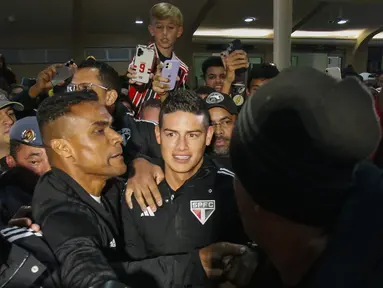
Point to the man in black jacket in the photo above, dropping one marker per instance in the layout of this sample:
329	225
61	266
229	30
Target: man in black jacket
199	205
77	203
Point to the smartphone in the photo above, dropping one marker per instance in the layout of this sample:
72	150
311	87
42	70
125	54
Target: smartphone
170	71
143	63
233	46
23	212
62	74
334	72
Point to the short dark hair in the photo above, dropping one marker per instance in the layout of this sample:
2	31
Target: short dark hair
60	104
262	71
186	101
14	147
107	74
154	103
212	61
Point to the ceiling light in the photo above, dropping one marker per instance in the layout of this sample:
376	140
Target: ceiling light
250	19
345	34
234	33
342	21
139	22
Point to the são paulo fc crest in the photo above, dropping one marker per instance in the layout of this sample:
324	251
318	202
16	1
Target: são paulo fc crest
125	133
202	209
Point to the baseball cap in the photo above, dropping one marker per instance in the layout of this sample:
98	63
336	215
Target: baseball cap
222	100
4	102
26	131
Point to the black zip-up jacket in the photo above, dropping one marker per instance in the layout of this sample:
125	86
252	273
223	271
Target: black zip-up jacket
203	211
86	239
138	135
26	260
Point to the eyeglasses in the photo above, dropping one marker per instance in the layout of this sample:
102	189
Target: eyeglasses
223	124
83	86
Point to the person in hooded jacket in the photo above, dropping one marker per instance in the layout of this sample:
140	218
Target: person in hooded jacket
302	172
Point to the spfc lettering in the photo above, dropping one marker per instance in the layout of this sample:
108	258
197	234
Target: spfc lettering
202	209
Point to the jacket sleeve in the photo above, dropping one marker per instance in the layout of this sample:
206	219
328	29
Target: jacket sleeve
165	271
147	130
77	248
134	243
143	137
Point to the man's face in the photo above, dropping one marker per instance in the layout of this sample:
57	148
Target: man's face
256	83
183	138
33	158
7	118
87	77
223	123
95	148
151	114
165	32
214	77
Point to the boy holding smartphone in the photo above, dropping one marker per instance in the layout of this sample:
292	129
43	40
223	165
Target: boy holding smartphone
166	26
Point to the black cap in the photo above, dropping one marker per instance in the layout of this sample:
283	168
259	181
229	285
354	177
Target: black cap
217	99
26	131
295	146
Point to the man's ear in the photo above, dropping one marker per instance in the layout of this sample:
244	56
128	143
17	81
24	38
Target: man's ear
209	136
11	162
158	134
151	30
247	92
180	31
62	147
111	97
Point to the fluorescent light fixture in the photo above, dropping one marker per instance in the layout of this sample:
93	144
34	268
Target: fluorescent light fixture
344	34
232	33
250	19
268	33
139	22
378	36
342	21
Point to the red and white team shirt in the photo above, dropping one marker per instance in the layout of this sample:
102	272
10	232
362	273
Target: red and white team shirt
141	94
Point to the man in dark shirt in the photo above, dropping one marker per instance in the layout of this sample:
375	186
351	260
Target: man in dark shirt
199	205
223	114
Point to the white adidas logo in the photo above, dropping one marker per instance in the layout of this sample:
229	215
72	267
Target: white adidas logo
112	244
148	212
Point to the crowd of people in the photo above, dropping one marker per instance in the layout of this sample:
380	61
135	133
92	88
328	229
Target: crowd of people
109	182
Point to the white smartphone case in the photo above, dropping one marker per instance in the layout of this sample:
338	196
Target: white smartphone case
143	63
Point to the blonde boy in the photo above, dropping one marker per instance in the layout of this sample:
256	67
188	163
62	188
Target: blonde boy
166	26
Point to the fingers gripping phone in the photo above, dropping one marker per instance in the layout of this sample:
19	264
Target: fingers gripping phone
143	63
170	71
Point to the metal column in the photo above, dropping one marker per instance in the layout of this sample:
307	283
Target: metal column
283	17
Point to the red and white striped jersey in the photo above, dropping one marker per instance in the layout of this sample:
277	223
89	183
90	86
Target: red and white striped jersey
140	94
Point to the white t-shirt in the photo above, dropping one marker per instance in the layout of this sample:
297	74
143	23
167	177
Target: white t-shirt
98	199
